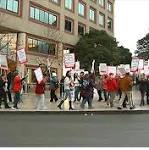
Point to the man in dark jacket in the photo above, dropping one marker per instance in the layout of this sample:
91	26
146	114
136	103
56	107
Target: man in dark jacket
87	91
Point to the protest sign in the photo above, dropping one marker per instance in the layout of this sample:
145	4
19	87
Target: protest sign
103	68
127	67
141	64
134	64
69	60
3	62
38	74
112	69
122	71
22	56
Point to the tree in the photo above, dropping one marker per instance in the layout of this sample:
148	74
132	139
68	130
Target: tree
143	47
103	48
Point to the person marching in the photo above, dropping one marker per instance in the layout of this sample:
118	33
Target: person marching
111	88
3	95
68	86
16	87
54	84
40	94
126	84
142	88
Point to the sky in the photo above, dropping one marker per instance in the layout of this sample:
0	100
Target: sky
131	22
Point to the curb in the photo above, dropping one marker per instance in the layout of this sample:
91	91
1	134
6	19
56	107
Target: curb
76	112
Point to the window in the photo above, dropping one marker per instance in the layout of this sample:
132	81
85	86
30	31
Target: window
43	16
81	29
101	3
81	9
110	24
68	25
41	46
55	1
109	7
10	5
92	14
69	4
102	19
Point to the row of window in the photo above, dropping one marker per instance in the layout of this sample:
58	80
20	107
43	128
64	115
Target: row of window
43	16
69	25
50	18
69	4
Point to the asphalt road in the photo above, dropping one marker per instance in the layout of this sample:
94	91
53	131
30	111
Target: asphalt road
77	130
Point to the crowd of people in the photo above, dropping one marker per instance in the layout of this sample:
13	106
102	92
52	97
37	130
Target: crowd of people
75	87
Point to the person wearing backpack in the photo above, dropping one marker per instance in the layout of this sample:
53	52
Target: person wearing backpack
54	84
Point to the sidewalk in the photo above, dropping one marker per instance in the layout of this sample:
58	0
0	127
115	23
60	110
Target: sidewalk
29	103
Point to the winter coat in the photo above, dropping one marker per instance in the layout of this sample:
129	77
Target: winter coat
88	89
40	88
17	84
112	85
54	83
143	85
126	83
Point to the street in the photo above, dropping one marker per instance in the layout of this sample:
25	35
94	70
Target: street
44	130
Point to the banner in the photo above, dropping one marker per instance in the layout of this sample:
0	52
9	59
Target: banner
3	62
69	60
22	56
38	74
103	68
112	69
134	64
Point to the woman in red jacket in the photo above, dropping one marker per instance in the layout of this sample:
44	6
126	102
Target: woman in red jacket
40	94
16	87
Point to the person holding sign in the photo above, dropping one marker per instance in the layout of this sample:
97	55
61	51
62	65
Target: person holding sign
16	87
40	94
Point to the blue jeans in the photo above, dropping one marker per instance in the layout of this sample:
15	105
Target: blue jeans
87	99
16	98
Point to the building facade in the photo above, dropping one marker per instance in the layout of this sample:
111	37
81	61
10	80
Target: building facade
44	28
